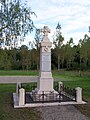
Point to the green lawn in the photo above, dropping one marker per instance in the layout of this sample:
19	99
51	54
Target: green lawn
18	73
84	84
7	112
71	79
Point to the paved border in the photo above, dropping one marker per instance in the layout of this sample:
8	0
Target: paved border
22	79
15	79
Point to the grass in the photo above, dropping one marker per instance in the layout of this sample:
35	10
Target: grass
71	75
85	85
18	73
7	112
69	78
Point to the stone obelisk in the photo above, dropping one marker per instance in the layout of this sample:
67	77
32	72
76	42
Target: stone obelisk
45	82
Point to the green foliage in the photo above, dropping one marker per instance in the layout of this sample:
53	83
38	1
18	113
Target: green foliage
15	20
5	60
72	56
29	86
84	52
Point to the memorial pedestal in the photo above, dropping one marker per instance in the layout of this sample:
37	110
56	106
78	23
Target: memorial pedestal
45	82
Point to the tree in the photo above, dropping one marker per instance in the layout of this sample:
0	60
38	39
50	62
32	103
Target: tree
84	51
69	53
15	20
58	42
5	60
24	56
38	38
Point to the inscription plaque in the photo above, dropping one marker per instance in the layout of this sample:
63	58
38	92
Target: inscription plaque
46	66
46	57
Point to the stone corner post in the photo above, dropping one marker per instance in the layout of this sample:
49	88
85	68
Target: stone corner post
18	86
21	97
60	86
79	95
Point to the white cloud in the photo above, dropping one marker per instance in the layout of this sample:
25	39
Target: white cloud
73	15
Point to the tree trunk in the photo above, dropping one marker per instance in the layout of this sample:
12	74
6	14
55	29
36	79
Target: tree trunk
67	64
37	66
62	62
58	63
80	69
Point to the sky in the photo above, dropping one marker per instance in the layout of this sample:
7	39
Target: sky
72	15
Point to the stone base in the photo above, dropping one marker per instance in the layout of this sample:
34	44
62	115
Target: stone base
44	87
16	103
45	84
37	91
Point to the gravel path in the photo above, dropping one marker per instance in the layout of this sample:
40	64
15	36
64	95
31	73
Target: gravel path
15	79
68	112
22	79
